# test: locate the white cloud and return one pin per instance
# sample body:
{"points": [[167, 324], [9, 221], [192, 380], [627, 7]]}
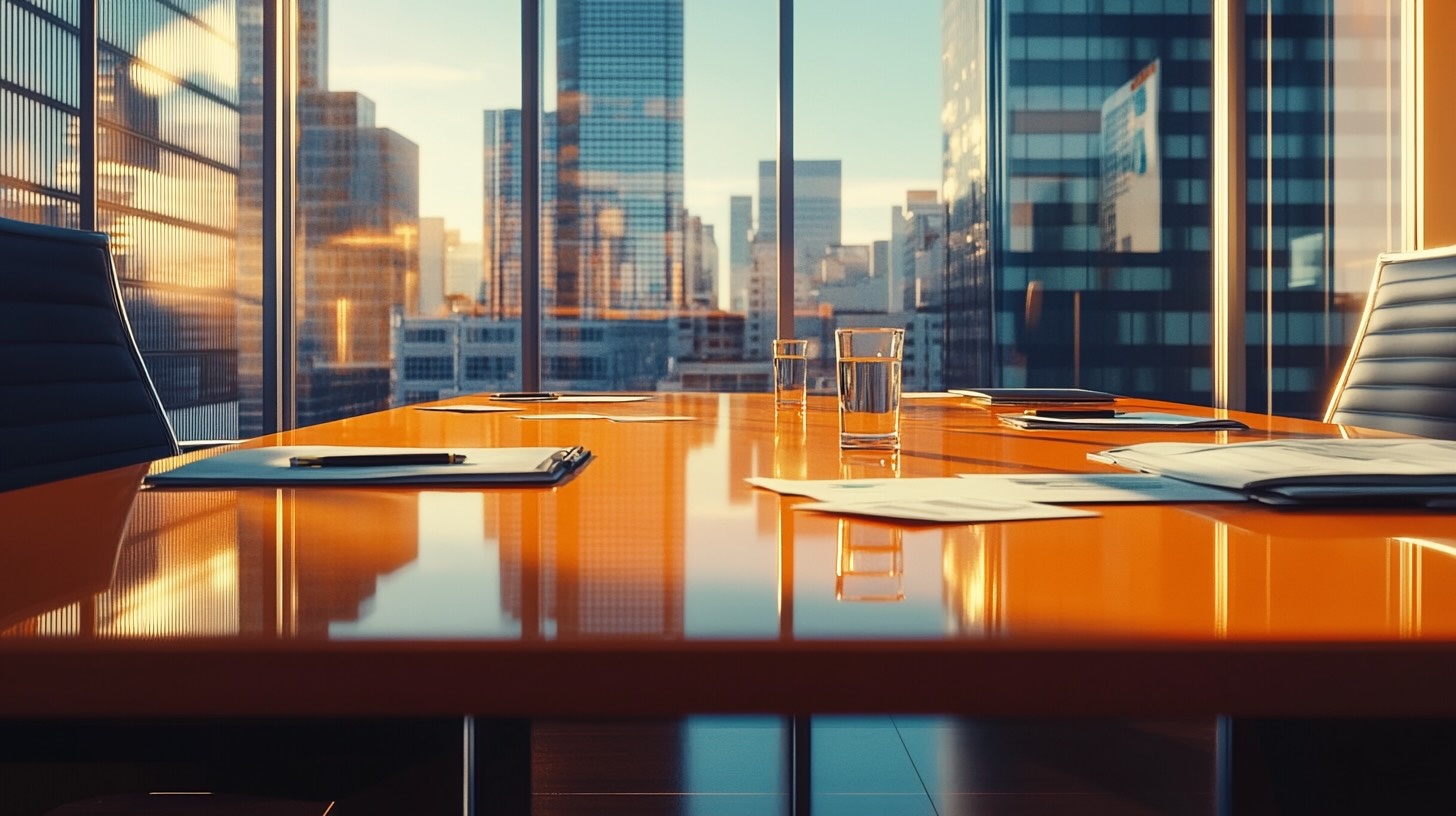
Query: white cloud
{"points": [[411, 74]]}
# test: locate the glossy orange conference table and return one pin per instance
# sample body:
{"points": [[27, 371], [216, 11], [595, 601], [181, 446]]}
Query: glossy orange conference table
{"points": [[657, 582]]}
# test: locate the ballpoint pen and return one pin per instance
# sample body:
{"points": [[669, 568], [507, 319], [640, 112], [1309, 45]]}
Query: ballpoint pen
{"points": [[378, 459], [526, 396]]}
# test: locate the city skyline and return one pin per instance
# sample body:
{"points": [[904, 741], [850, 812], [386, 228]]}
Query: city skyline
{"points": [[880, 117]]}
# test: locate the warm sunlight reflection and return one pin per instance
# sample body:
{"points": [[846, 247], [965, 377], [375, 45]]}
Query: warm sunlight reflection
{"points": [[341, 330], [187, 598], [179, 48]]}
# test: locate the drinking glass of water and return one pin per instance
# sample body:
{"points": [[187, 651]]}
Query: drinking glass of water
{"points": [[791, 371], [869, 387]]}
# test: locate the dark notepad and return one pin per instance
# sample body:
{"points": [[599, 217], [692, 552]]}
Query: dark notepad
{"points": [[1035, 396]]}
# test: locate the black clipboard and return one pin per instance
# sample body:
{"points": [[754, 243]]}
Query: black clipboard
{"points": [[378, 466]]}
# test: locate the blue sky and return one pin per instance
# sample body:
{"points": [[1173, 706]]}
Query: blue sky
{"points": [[867, 76]]}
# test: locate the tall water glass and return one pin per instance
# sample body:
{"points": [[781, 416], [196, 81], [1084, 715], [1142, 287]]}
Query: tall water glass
{"points": [[790, 371], [869, 387]]}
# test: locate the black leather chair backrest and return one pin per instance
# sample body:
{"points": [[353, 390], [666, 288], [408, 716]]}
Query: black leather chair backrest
{"points": [[74, 395], [1401, 372]]}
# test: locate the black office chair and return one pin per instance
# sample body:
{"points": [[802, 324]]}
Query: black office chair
{"points": [[75, 396], [1401, 372]]}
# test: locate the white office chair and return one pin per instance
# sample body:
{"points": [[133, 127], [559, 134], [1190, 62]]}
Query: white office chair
{"points": [[1401, 372]]}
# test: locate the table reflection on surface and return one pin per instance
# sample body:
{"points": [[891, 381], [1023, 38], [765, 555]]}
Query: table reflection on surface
{"points": [[661, 539]]}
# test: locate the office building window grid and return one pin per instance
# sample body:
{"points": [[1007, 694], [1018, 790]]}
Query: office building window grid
{"points": [[167, 138], [39, 95], [619, 156]]}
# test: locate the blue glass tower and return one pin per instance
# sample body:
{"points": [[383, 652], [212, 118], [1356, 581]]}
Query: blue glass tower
{"points": [[619, 185]]}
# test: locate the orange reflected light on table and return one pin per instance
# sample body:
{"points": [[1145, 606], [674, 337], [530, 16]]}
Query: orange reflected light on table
{"points": [[871, 562]]}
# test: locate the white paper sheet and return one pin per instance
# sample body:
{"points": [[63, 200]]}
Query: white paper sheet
{"points": [[628, 418], [468, 409], [1048, 488], [949, 510], [1096, 488]]}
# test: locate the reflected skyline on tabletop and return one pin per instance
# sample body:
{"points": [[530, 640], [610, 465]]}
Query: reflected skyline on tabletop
{"points": [[662, 539]]}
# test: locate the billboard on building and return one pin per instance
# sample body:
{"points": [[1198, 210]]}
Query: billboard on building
{"points": [[1131, 200]]}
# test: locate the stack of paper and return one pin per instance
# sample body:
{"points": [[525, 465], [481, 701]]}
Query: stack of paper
{"points": [[1307, 471], [1035, 396], [1128, 421]]}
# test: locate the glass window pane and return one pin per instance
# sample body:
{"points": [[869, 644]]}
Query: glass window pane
{"points": [[168, 173], [870, 231], [407, 117], [38, 56], [657, 267], [1329, 189], [1074, 229]]}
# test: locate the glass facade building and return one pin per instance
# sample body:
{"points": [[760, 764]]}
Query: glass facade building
{"points": [[358, 216], [501, 297], [1078, 174], [166, 175], [619, 185]]}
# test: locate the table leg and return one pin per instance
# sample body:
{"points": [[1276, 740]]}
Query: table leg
{"points": [[798, 755], [498, 767]]}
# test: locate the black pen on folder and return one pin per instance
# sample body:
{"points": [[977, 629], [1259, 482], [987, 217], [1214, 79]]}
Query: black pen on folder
{"points": [[568, 458], [377, 459]]}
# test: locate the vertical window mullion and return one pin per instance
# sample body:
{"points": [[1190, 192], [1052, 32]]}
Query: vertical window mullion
{"points": [[89, 64], [531, 317], [1229, 197], [785, 171]]}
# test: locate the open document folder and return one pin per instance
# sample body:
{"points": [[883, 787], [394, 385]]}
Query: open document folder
{"points": [[1120, 421], [328, 464], [1307, 471]]}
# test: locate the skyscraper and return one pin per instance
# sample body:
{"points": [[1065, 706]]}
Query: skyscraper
{"points": [[619, 186], [1077, 179], [502, 196], [740, 256], [817, 206], [358, 203]]}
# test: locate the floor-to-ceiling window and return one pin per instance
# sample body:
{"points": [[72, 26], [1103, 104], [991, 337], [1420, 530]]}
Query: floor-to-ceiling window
{"points": [[1033, 209], [166, 174]]}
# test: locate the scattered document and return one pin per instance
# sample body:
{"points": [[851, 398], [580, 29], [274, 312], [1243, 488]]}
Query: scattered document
{"points": [[1046, 488], [1121, 421], [643, 418], [862, 489], [601, 398], [467, 409], [1096, 488], [1313, 471], [949, 510]]}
